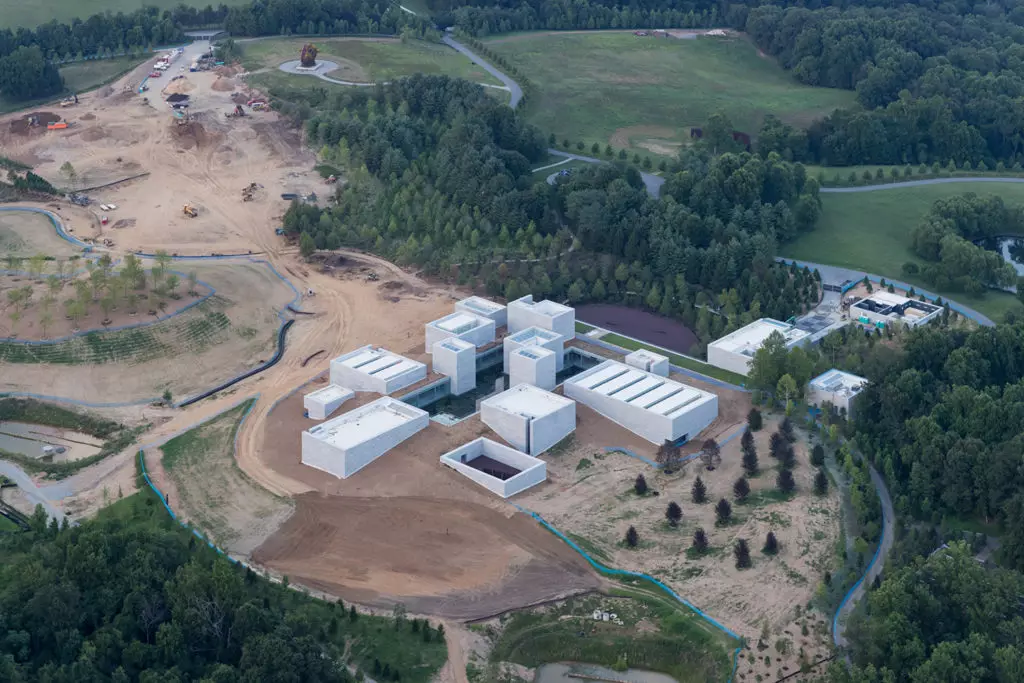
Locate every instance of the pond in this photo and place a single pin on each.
(559, 673)
(45, 443)
(649, 327)
(1012, 249)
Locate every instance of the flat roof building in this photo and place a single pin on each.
(475, 329)
(735, 350)
(653, 407)
(376, 369)
(456, 358)
(535, 337)
(485, 309)
(530, 419)
(498, 468)
(321, 403)
(883, 308)
(532, 365)
(648, 361)
(836, 387)
(524, 313)
(344, 445)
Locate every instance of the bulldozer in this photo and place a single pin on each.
(189, 211)
(249, 192)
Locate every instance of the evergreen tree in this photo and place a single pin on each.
(818, 455)
(700, 540)
(785, 482)
(640, 485)
(820, 482)
(749, 460)
(632, 537)
(741, 489)
(723, 512)
(673, 513)
(699, 491)
(771, 544)
(742, 553)
(754, 420)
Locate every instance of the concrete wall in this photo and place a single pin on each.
(512, 427)
(727, 360)
(320, 409)
(533, 471)
(546, 431)
(343, 463)
(459, 365)
(816, 397)
(537, 368)
(555, 345)
(649, 425)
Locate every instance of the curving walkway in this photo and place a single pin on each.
(652, 182)
(917, 183)
(29, 488)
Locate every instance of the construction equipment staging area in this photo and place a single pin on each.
(519, 406)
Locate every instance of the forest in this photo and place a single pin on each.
(439, 177)
(131, 596)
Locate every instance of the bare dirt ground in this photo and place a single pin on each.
(594, 501)
(25, 234)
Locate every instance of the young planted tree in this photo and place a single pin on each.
(754, 420)
(699, 492)
(741, 489)
(172, 283)
(710, 454)
(742, 553)
(673, 513)
(723, 512)
(632, 537)
(107, 304)
(771, 544)
(45, 320)
(749, 461)
(700, 540)
(669, 455)
(787, 458)
(786, 388)
(818, 455)
(193, 280)
(640, 485)
(785, 482)
(821, 482)
(69, 172)
(36, 264)
(15, 316)
(786, 429)
(776, 444)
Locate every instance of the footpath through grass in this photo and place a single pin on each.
(871, 231)
(645, 93)
(676, 359)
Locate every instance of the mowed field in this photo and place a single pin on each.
(871, 231)
(645, 93)
(366, 60)
(15, 13)
(78, 78)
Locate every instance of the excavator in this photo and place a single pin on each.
(237, 113)
(189, 211)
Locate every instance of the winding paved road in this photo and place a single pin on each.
(917, 183)
(652, 182)
(510, 85)
(29, 488)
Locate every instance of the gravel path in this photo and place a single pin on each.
(916, 183)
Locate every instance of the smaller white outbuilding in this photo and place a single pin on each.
(344, 445)
(532, 365)
(484, 309)
(736, 350)
(529, 418)
(498, 468)
(321, 403)
(648, 361)
(836, 387)
(475, 329)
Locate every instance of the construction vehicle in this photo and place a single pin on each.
(331, 179)
(57, 125)
(249, 191)
(189, 211)
(79, 199)
(237, 113)
(69, 101)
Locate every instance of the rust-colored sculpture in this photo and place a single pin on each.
(308, 56)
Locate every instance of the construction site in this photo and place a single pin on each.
(399, 453)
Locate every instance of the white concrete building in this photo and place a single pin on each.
(456, 358)
(524, 313)
(498, 468)
(535, 337)
(735, 350)
(653, 407)
(475, 329)
(376, 369)
(648, 361)
(346, 444)
(534, 366)
(321, 403)
(531, 419)
(485, 309)
(882, 308)
(836, 387)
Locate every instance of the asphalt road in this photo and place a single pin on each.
(916, 183)
(652, 182)
(510, 85)
(29, 488)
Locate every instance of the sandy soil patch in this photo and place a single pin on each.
(621, 138)
(24, 234)
(223, 84)
(666, 148)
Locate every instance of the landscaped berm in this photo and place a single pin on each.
(644, 93)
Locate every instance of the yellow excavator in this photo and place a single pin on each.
(189, 211)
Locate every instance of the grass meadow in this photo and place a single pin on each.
(78, 78)
(644, 94)
(15, 13)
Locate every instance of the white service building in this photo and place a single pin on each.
(456, 358)
(534, 366)
(321, 403)
(882, 308)
(485, 309)
(653, 407)
(466, 326)
(536, 337)
(648, 361)
(529, 418)
(735, 350)
(498, 468)
(376, 369)
(836, 387)
(346, 444)
(549, 315)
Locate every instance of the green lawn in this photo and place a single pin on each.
(645, 93)
(7, 525)
(839, 176)
(871, 231)
(676, 359)
(14, 13)
(367, 60)
(79, 77)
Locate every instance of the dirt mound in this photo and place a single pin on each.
(192, 134)
(223, 84)
(180, 86)
(94, 134)
(22, 127)
(124, 223)
(87, 117)
(239, 98)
